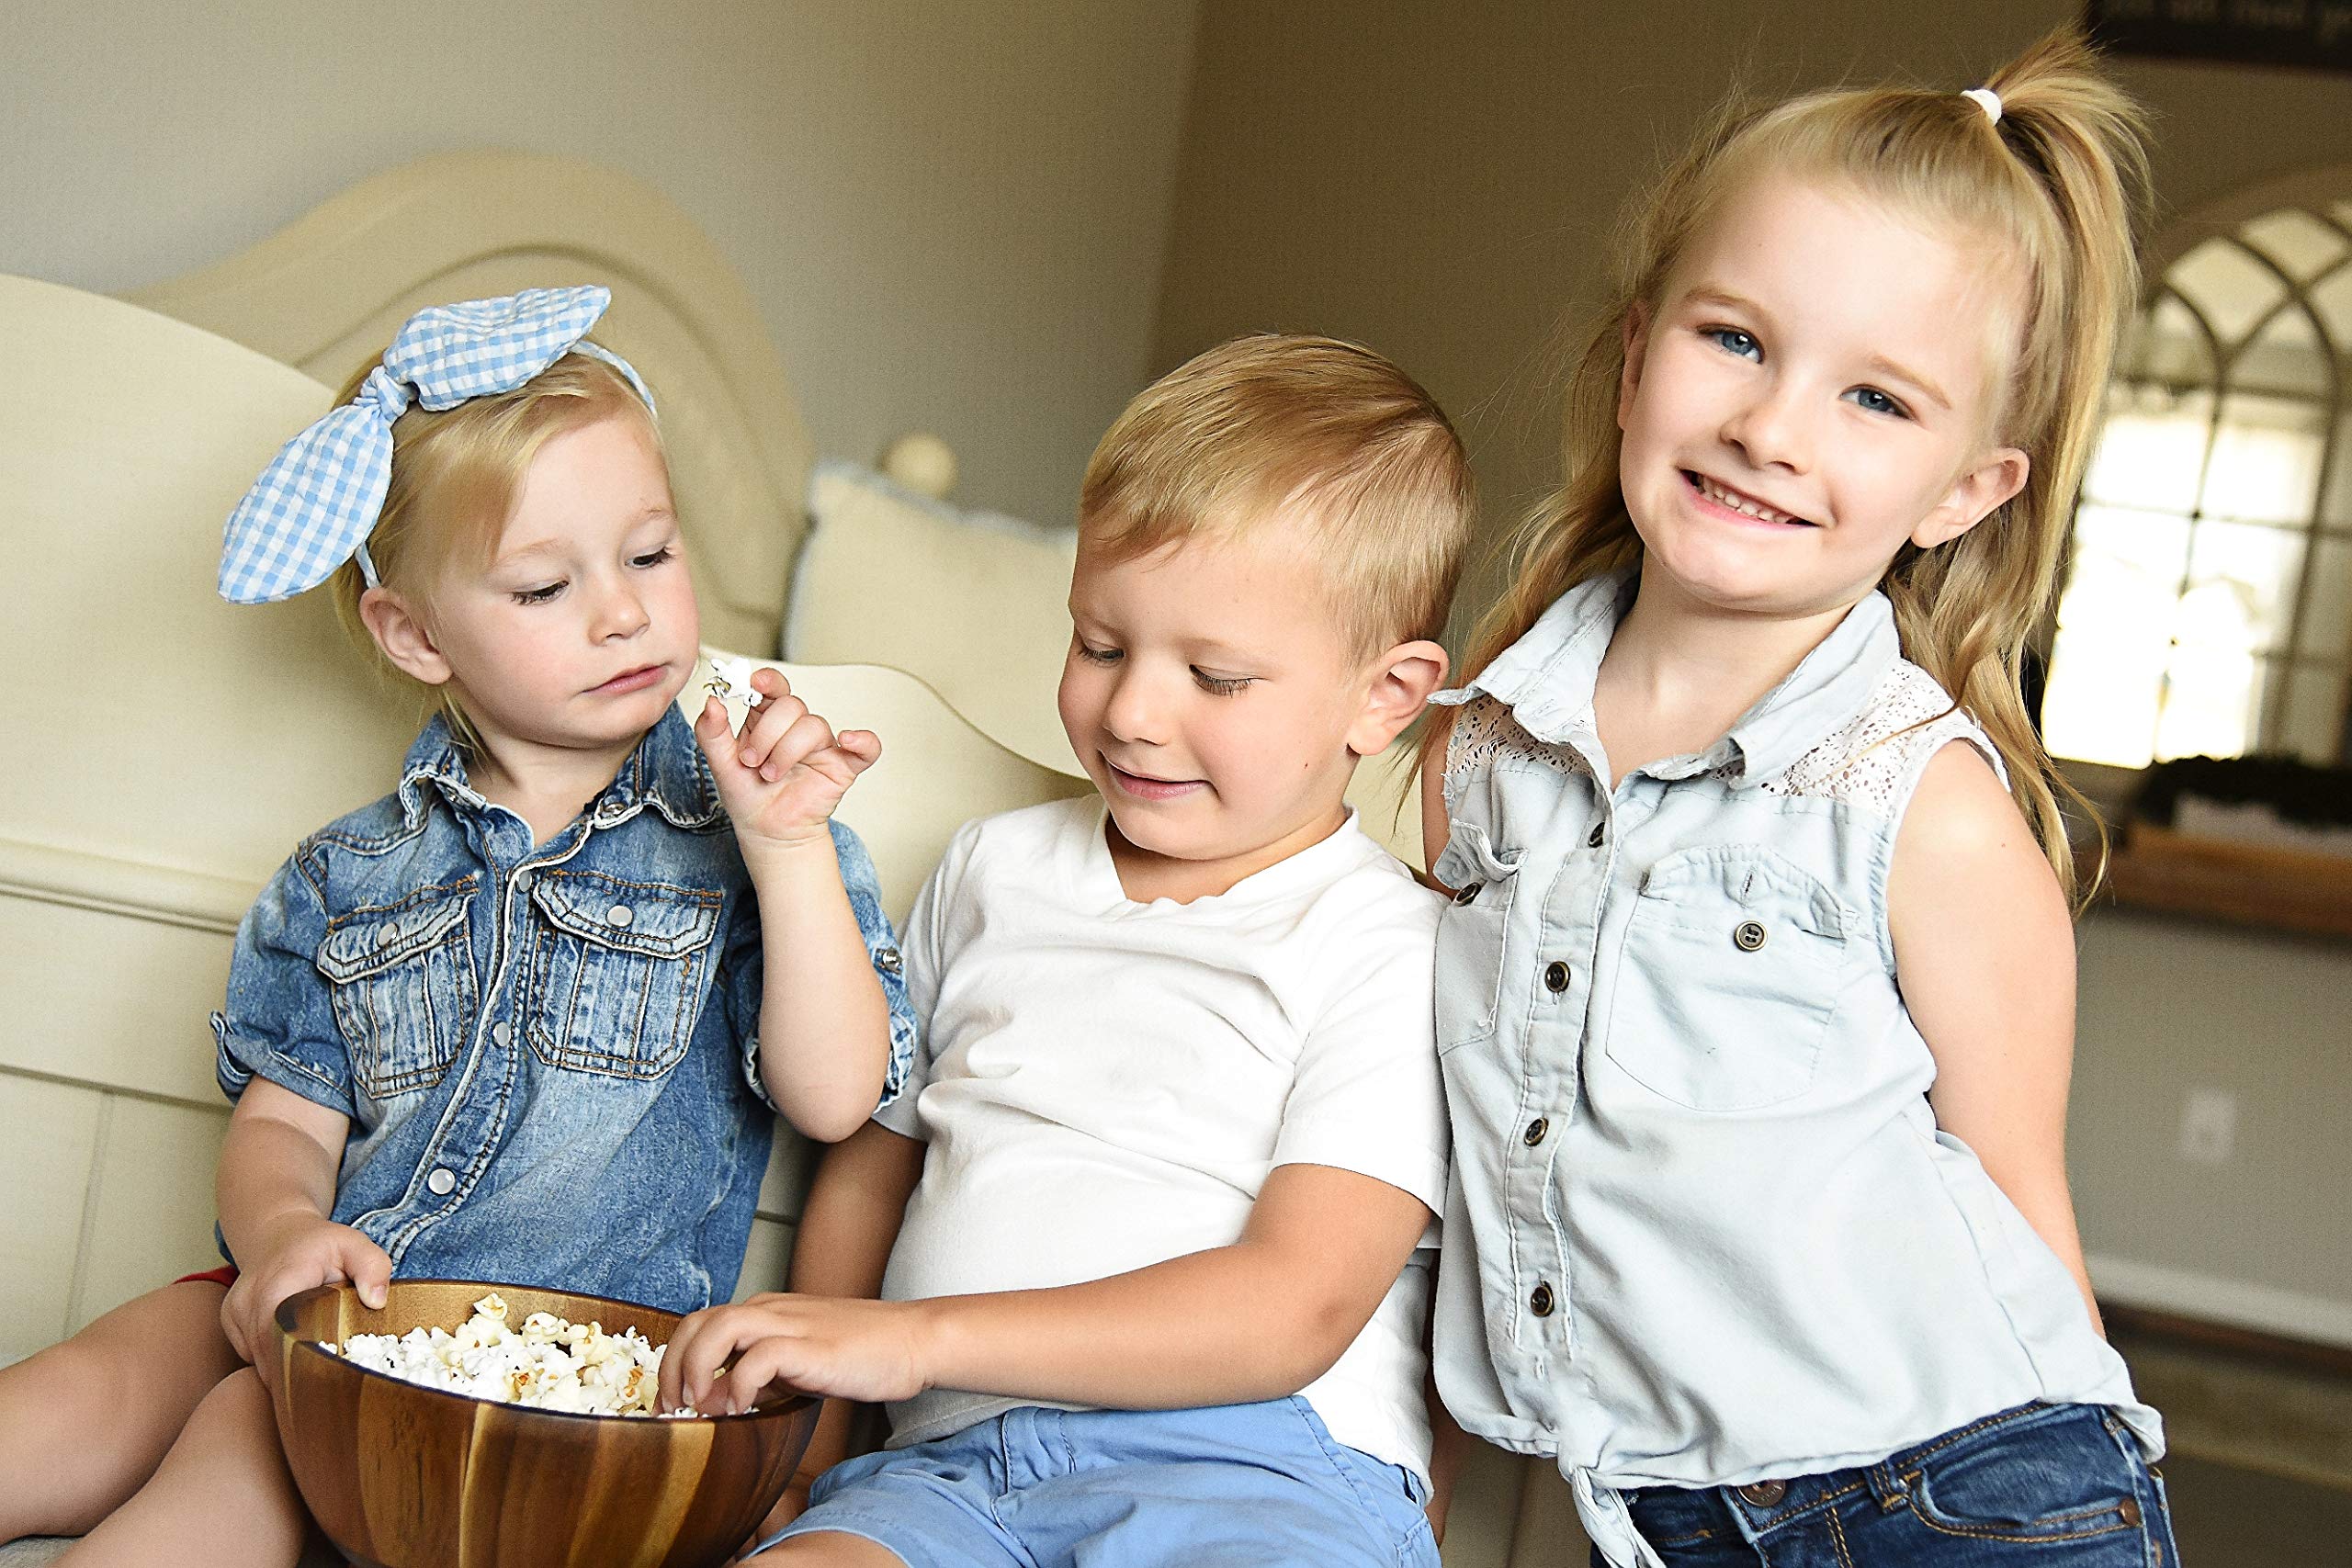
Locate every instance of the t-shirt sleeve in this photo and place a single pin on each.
(745, 965)
(925, 953)
(279, 1021)
(1368, 1096)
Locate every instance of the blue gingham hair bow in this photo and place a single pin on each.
(313, 507)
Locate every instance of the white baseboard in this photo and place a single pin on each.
(2242, 1305)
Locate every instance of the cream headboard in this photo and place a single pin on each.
(328, 291)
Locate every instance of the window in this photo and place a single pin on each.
(2207, 607)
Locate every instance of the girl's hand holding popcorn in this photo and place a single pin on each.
(297, 1253)
(721, 1360)
(783, 774)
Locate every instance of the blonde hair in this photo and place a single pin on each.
(456, 475)
(1328, 434)
(2057, 185)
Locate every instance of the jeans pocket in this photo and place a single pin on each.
(2045, 1479)
(616, 972)
(403, 987)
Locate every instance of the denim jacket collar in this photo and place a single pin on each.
(667, 771)
(1546, 680)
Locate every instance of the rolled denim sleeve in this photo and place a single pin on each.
(745, 968)
(278, 1023)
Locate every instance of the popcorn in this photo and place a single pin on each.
(548, 1364)
(732, 678)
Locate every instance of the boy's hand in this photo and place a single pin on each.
(868, 1351)
(298, 1252)
(783, 774)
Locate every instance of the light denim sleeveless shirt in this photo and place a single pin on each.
(1703, 1228)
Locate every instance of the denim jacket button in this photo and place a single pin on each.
(441, 1182)
(502, 1031)
(619, 915)
(386, 935)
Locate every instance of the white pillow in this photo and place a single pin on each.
(972, 603)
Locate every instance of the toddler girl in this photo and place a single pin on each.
(523, 1019)
(1756, 995)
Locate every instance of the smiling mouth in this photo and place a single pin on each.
(1745, 505)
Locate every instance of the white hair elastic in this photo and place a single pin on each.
(731, 679)
(1987, 99)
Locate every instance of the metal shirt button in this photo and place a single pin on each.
(1599, 831)
(1535, 1131)
(1539, 1300)
(441, 1183)
(385, 936)
(1747, 936)
(1468, 893)
(619, 915)
(1555, 976)
(502, 1031)
(1765, 1493)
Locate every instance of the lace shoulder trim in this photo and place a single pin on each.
(1874, 759)
(1485, 732)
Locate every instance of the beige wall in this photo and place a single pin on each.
(1439, 181)
(953, 216)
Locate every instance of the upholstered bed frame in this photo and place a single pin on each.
(166, 749)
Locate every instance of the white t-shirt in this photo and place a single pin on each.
(1104, 1085)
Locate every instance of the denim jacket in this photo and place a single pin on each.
(549, 1053)
(1703, 1229)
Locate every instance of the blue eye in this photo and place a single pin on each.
(1731, 340)
(1870, 398)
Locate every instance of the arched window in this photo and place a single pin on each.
(2208, 608)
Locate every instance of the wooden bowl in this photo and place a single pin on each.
(400, 1475)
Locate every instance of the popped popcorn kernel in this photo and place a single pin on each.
(547, 1364)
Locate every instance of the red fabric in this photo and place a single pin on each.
(224, 1277)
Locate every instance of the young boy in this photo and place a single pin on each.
(1172, 1147)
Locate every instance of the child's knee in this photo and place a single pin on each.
(833, 1549)
(236, 1411)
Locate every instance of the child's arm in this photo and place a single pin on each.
(847, 1227)
(276, 1188)
(1985, 954)
(1259, 1319)
(824, 1025)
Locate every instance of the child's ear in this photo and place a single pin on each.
(401, 632)
(1637, 342)
(1973, 497)
(1404, 678)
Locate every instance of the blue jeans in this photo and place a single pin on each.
(2052, 1486)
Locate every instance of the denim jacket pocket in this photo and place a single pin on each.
(404, 989)
(1470, 935)
(618, 971)
(1727, 979)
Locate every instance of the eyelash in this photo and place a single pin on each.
(548, 591)
(1215, 686)
(1718, 335)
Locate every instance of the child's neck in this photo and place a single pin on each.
(546, 787)
(1146, 877)
(1678, 674)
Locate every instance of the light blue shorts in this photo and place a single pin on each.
(1221, 1487)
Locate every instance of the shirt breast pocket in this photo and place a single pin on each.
(1470, 935)
(1727, 979)
(616, 972)
(404, 987)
